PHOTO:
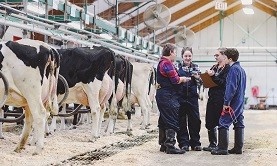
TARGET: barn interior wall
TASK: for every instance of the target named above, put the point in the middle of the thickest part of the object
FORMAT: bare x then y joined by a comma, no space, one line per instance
251,34
11,33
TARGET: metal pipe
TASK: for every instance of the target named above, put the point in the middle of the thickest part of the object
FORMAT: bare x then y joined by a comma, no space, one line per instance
69,38
155,57
31,20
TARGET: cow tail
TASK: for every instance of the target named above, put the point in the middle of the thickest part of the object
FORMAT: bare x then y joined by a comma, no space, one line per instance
151,80
129,81
126,77
53,81
112,74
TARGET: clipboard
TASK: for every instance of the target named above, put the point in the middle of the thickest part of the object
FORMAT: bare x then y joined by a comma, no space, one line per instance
207,81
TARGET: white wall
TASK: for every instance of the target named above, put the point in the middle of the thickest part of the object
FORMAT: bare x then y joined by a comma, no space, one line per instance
263,71
12,31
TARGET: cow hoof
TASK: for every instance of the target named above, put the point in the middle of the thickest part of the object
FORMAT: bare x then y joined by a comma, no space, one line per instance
32,142
94,139
18,150
37,151
129,133
73,127
47,134
142,128
52,131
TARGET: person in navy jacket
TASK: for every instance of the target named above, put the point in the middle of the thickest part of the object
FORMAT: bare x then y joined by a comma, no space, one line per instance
218,73
167,100
190,123
232,112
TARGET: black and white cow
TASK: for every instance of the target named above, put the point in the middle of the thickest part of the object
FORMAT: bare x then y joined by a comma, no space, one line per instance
31,68
123,77
85,70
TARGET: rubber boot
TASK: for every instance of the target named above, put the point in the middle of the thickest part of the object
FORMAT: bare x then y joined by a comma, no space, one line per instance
162,140
212,135
223,140
170,143
239,137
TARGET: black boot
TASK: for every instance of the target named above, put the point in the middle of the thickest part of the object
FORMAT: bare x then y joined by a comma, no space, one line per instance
212,134
170,143
162,140
223,140
239,137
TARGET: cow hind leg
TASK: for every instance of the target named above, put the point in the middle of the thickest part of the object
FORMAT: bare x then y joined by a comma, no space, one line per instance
129,125
39,121
112,117
144,110
27,128
101,117
47,130
1,116
62,118
95,128
39,124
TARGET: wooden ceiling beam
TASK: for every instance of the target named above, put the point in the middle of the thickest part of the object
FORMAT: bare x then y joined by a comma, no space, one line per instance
82,3
265,8
110,13
192,20
269,3
212,20
216,18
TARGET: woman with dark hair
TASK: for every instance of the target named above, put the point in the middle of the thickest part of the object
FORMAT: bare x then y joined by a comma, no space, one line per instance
218,73
232,112
190,123
167,100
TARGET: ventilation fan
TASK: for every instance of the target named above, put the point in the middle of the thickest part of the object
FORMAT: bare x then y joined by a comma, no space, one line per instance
157,16
184,37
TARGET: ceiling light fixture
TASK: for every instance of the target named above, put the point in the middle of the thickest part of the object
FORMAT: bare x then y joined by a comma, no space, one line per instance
246,2
248,10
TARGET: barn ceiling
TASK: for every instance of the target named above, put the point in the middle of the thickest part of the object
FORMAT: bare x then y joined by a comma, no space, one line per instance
194,14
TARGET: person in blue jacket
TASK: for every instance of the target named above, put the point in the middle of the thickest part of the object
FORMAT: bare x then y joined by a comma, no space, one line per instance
167,100
232,112
218,73
190,123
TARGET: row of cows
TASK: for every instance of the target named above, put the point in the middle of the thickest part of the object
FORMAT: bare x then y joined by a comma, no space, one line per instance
96,77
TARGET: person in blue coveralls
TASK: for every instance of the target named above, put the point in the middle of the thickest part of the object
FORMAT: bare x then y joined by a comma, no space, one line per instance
232,112
190,123
167,100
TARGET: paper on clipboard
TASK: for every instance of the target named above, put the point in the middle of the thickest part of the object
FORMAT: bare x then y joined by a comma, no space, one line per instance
207,81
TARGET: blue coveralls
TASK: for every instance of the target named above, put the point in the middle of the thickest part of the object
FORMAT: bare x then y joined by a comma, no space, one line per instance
190,122
167,102
216,97
234,97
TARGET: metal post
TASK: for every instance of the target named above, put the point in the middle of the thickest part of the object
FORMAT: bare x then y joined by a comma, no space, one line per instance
46,17
24,32
65,11
116,14
220,28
